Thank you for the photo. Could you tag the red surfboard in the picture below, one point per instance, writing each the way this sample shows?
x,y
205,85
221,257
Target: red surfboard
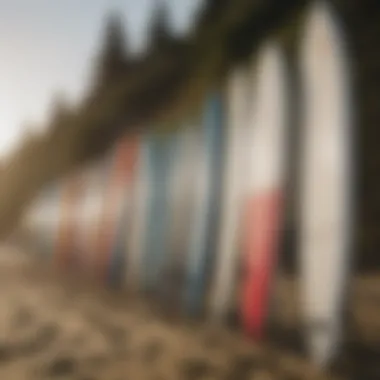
x,y
262,223
120,174
265,179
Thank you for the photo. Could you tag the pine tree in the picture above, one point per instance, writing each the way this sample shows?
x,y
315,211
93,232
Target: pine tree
x,y
112,59
211,10
160,33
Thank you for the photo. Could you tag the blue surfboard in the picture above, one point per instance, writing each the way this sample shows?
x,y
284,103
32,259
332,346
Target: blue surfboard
x,y
181,192
158,151
205,223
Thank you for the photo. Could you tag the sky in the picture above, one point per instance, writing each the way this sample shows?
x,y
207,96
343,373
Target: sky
x,y
46,46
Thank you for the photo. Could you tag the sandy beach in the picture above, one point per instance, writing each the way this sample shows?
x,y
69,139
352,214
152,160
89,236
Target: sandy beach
x,y
57,327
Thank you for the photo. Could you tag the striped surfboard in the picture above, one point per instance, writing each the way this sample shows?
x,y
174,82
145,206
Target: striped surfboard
x,y
266,158
202,244
325,183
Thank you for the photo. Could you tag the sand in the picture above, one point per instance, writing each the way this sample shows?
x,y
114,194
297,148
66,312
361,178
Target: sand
x,y
57,327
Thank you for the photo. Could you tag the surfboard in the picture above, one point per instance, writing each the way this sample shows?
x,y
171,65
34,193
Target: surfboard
x,y
33,225
158,159
89,216
325,182
83,219
53,198
80,224
207,193
136,244
64,250
119,247
42,221
181,193
93,230
234,168
112,207
266,162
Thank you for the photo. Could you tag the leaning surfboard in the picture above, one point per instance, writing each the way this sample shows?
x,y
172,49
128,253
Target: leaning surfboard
x,y
119,246
90,212
203,234
43,220
325,182
53,197
181,193
69,201
139,199
158,160
228,258
266,158
112,207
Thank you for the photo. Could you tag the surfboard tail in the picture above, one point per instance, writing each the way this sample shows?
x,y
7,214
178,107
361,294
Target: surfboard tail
x,y
263,225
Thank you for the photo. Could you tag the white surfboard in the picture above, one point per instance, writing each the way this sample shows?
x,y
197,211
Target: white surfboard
x,y
55,210
35,222
76,220
43,219
228,256
325,183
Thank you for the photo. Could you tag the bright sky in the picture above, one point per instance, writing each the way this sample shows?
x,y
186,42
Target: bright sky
x,y
47,45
